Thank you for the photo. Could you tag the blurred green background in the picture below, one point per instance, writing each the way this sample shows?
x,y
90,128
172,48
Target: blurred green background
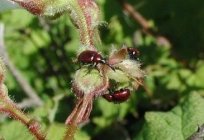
x,y
43,51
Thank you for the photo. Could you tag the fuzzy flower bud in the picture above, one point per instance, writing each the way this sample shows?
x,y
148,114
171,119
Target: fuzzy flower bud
x,y
128,71
86,80
132,68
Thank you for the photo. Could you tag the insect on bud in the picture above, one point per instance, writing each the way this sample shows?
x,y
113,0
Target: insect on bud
x,y
133,53
92,57
118,96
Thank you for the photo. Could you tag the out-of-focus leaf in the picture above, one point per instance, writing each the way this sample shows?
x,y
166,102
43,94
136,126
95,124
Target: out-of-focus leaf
x,y
178,124
14,131
82,135
111,112
43,111
57,131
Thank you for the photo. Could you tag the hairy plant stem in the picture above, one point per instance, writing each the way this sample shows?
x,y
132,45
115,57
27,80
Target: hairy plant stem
x,y
73,119
83,107
84,14
71,130
83,27
9,107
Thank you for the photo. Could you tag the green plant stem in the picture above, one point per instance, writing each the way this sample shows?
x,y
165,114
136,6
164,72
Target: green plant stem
x,y
8,106
79,114
87,33
82,24
33,127
71,130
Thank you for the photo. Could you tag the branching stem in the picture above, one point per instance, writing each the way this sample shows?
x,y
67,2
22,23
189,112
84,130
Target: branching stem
x,y
8,106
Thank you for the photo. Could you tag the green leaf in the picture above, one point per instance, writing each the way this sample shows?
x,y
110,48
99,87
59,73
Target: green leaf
x,y
14,131
81,135
56,132
111,112
199,134
178,124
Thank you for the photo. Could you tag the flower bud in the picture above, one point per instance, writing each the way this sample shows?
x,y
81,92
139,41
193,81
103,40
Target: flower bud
x,y
86,80
118,76
132,68
127,71
117,56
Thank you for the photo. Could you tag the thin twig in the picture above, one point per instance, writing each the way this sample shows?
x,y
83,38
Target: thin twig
x,y
29,91
143,22
129,9
26,103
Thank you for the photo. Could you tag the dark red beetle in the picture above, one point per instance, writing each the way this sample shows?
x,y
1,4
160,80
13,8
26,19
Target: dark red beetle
x,y
133,53
91,57
118,96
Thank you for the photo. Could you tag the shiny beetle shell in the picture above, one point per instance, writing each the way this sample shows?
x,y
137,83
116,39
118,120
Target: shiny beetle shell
x,y
133,53
92,57
89,56
118,96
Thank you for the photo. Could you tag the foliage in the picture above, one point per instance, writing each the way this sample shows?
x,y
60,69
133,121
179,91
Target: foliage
x,y
44,50
179,123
